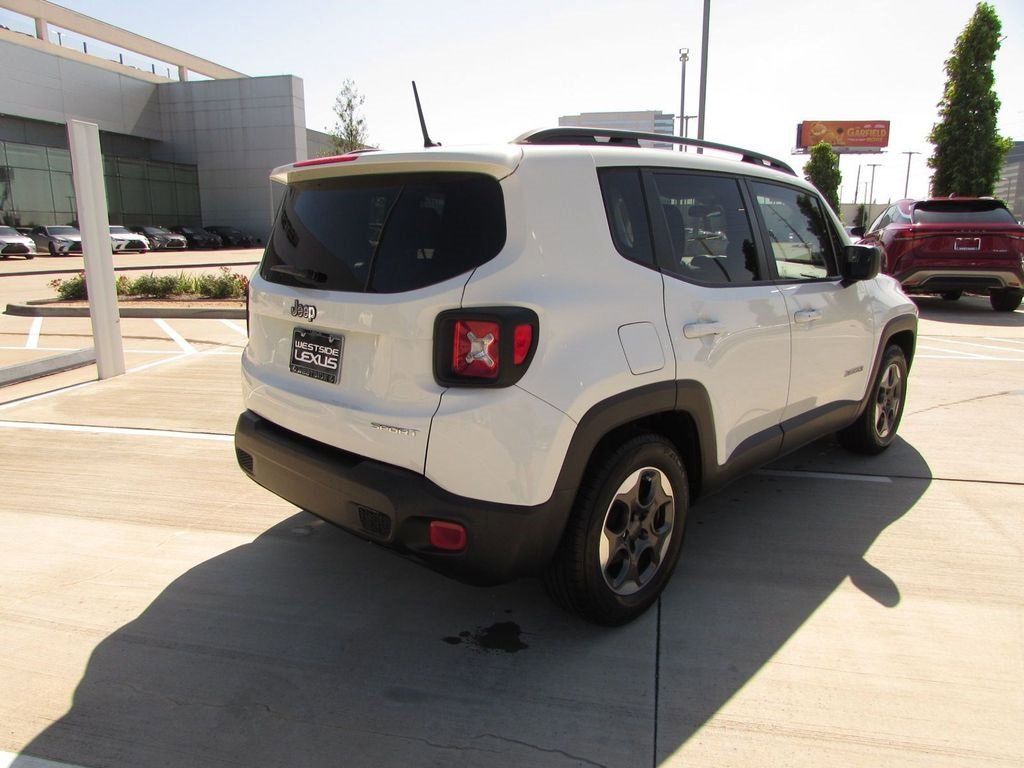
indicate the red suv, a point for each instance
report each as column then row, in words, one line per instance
column 946, row 246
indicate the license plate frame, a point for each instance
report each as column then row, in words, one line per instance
column 316, row 354
column 967, row 244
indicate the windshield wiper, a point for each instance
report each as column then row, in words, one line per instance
column 307, row 276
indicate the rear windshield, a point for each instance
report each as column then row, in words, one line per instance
column 385, row 233
column 962, row 212
column 8, row 231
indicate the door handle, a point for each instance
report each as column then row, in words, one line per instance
column 806, row 315
column 699, row 330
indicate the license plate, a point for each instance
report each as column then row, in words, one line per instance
column 967, row 244
column 317, row 355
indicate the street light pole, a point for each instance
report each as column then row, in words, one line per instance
column 703, row 71
column 684, row 56
column 856, row 187
column 906, row 184
column 871, row 196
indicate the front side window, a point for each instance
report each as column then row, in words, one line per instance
column 709, row 234
column 884, row 220
column 798, row 232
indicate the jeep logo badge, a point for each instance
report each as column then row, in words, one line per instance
column 305, row 311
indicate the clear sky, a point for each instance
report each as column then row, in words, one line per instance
column 490, row 71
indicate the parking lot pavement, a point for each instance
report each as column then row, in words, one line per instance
column 158, row 608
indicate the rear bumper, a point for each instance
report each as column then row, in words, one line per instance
column 926, row 280
column 393, row 506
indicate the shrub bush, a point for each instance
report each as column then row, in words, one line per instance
column 225, row 285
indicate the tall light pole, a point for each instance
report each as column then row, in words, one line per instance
column 906, row 184
column 686, row 124
column 856, row 187
column 703, row 71
column 684, row 56
column 871, row 196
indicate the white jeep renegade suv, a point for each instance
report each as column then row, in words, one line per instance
column 531, row 358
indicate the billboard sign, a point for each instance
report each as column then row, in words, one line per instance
column 845, row 136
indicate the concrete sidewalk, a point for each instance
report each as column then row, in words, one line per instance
column 159, row 608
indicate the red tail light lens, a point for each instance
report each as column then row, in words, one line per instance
column 484, row 346
column 522, row 344
column 447, row 536
column 476, row 349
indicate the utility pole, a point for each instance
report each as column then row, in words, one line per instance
column 906, row 184
column 684, row 56
column 856, row 187
column 872, row 166
column 703, row 72
column 686, row 124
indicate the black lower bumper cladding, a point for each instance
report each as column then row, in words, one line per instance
column 394, row 507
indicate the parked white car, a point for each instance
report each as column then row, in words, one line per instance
column 13, row 243
column 123, row 239
column 57, row 240
column 529, row 359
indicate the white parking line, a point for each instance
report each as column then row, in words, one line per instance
column 964, row 355
column 7, row 759
column 825, row 475
column 134, row 432
column 235, row 327
column 975, row 344
column 176, row 337
column 1008, row 341
column 33, row 334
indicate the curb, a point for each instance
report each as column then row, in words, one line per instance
column 66, row 361
column 213, row 313
column 181, row 267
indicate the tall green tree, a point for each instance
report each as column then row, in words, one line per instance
column 349, row 131
column 969, row 151
column 822, row 170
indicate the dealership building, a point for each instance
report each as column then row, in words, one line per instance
column 184, row 140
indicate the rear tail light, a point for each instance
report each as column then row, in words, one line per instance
column 484, row 347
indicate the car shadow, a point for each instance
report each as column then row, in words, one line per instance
column 968, row 310
column 309, row 647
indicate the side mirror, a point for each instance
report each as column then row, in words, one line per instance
column 860, row 262
column 856, row 231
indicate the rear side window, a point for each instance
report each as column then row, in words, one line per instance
column 385, row 233
column 709, row 233
column 627, row 214
column 962, row 212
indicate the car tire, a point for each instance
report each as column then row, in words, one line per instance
column 875, row 429
column 53, row 251
column 30, row 255
column 625, row 533
column 952, row 295
column 1005, row 301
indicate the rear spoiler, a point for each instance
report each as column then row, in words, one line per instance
column 498, row 163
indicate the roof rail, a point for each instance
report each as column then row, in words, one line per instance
column 575, row 135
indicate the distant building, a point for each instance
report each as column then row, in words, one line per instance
column 647, row 121
column 184, row 140
column 1010, row 187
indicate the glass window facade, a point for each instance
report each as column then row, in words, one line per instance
column 36, row 189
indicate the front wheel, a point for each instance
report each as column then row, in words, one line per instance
column 952, row 295
column 1005, row 301
column 875, row 429
column 625, row 533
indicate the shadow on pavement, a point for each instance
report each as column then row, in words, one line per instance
column 969, row 310
column 308, row 647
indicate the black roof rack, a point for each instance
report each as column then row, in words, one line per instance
column 574, row 135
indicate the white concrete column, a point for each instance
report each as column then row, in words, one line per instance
column 91, row 198
column 183, row 73
column 42, row 29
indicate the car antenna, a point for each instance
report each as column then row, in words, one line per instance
column 427, row 143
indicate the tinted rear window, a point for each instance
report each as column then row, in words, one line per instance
column 962, row 211
column 385, row 233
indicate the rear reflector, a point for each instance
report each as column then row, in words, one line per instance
column 523, row 342
column 447, row 536
column 327, row 160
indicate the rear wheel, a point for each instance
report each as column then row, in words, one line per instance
column 952, row 295
column 875, row 429
column 1005, row 301
column 623, row 539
